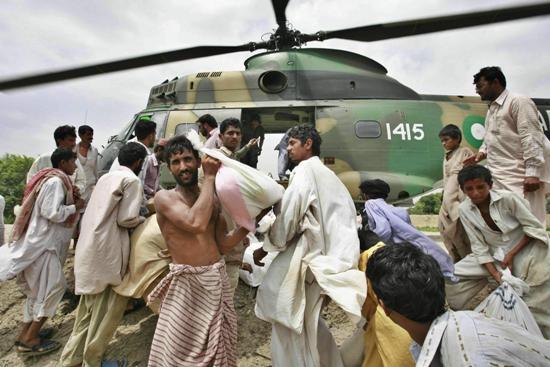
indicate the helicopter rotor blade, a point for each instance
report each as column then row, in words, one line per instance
column 279, row 7
column 119, row 65
column 414, row 27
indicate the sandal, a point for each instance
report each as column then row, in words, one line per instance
column 45, row 333
column 45, row 346
column 116, row 363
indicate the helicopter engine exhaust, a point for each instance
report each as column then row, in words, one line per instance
column 273, row 81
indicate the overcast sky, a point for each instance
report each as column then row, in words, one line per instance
column 43, row 35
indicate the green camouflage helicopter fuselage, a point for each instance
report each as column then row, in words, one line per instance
column 372, row 126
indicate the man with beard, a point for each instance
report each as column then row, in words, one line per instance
column 208, row 127
column 516, row 149
column 197, row 323
column 101, row 258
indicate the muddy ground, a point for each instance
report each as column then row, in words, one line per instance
column 133, row 337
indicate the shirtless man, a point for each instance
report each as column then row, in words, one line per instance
column 197, row 323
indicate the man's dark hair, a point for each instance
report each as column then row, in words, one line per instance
column 375, row 189
column 62, row 132
column 157, row 148
column 61, row 154
column 303, row 132
column 491, row 73
column 178, row 144
column 473, row 172
column 230, row 122
column 209, row 120
column 84, row 129
column 144, row 128
column 452, row 131
column 131, row 153
column 408, row 281
column 256, row 117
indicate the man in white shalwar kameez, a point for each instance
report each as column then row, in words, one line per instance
column 411, row 290
column 101, row 258
column 516, row 149
column 87, row 155
column 316, row 239
column 145, row 135
column 41, row 235
column 65, row 138
column 504, row 234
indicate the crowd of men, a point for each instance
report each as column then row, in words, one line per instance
column 185, row 257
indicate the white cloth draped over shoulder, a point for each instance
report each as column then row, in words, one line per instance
column 103, row 248
column 316, row 237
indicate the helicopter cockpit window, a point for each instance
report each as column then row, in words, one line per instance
column 158, row 117
column 369, row 129
column 280, row 119
column 121, row 136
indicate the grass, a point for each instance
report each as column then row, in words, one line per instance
column 428, row 229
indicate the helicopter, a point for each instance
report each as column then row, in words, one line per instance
column 372, row 125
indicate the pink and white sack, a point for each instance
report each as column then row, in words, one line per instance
column 243, row 191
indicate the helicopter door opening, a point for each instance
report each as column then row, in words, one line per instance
column 273, row 124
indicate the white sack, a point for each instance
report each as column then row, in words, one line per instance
column 504, row 303
column 243, row 191
column 255, row 278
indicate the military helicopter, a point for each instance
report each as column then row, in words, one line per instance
column 371, row 124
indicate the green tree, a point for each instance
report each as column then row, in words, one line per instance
column 428, row 204
column 13, row 173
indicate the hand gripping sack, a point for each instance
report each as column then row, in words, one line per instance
column 505, row 303
column 243, row 191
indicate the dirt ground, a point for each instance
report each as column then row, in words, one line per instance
column 133, row 337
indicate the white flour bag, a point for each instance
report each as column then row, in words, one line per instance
column 243, row 191
column 506, row 304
